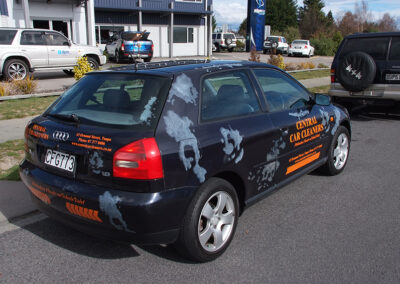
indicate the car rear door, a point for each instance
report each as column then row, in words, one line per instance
column 34, row 47
column 302, row 124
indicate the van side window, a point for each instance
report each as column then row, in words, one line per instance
column 395, row 49
column 376, row 47
column 227, row 94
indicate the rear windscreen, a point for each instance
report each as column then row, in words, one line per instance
column 231, row 36
column 7, row 36
column 273, row 39
column 376, row 47
column 299, row 42
column 115, row 100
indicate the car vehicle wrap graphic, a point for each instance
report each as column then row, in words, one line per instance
column 263, row 150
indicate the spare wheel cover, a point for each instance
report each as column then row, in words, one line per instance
column 356, row 71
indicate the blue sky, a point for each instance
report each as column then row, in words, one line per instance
column 233, row 12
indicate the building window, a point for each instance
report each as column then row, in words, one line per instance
column 196, row 1
column 183, row 35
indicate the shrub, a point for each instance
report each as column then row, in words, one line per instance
column 324, row 46
column 291, row 33
column 322, row 65
column 254, row 56
column 2, row 91
column 240, row 45
column 82, row 67
column 25, row 86
column 291, row 67
column 276, row 60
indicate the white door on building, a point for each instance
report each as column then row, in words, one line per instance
column 60, row 51
column 33, row 45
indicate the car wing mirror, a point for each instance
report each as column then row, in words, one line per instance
column 322, row 99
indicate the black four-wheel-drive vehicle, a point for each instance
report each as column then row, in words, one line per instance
column 130, row 45
column 366, row 69
column 173, row 152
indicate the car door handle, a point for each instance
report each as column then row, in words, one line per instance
column 284, row 130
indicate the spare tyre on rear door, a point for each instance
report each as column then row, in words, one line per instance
column 356, row 71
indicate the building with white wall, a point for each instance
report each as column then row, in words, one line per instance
column 177, row 27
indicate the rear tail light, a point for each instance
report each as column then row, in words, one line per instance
column 138, row 160
column 152, row 47
column 305, row 46
column 279, row 40
column 290, row 46
column 26, row 135
column 333, row 76
column 122, row 46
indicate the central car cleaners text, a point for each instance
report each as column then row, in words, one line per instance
column 307, row 127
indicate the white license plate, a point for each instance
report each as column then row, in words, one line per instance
column 392, row 77
column 60, row 160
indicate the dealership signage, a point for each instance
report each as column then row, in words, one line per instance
column 255, row 24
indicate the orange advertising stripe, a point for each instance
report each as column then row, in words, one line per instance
column 302, row 163
column 42, row 196
column 83, row 212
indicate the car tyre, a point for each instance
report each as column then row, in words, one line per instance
column 264, row 51
column 339, row 151
column 356, row 71
column 69, row 72
column 117, row 59
column 15, row 69
column 210, row 221
column 148, row 59
column 93, row 63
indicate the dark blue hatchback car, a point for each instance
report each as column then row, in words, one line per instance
column 173, row 152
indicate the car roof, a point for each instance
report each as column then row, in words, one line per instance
column 368, row 35
column 165, row 68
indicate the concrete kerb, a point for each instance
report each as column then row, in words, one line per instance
column 17, row 97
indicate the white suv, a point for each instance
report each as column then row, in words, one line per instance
column 224, row 41
column 277, row 43
column 28, row 50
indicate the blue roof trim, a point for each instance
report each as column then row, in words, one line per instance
column 3, row 8
column 155, row 6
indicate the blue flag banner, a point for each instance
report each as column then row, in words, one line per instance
column 255, row 24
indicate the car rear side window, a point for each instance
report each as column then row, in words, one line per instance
column 395, row 49
column 376, row 47
column 56, row 39
column 227, row 94
column 7, row 36
column 32, row 38
column 280, row 91
column 115, row 100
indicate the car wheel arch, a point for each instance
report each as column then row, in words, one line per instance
column 94, row 56
column 23, row 58
column 346, row 124
column 237, row 182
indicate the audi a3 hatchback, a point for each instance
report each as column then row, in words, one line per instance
column 173, row 152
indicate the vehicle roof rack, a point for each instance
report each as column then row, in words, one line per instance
column 160, row 64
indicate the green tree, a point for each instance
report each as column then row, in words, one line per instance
column 243, row 28
column 312, row 19
column 214, row 23
column 281, row 14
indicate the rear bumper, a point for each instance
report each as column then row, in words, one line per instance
column 128, row 54
column 103, row 59
column 142, row 218
column 376, row 91
column 299, row 51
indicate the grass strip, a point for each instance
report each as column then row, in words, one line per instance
column 311, row 74
column 11, row 153
column 24, row 107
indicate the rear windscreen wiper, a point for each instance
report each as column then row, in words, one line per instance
column 68, row 117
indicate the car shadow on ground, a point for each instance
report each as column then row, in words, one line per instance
column 368, row 113
column 78, row 242
column 93, row 246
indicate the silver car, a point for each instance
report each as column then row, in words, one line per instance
column 27, row 50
